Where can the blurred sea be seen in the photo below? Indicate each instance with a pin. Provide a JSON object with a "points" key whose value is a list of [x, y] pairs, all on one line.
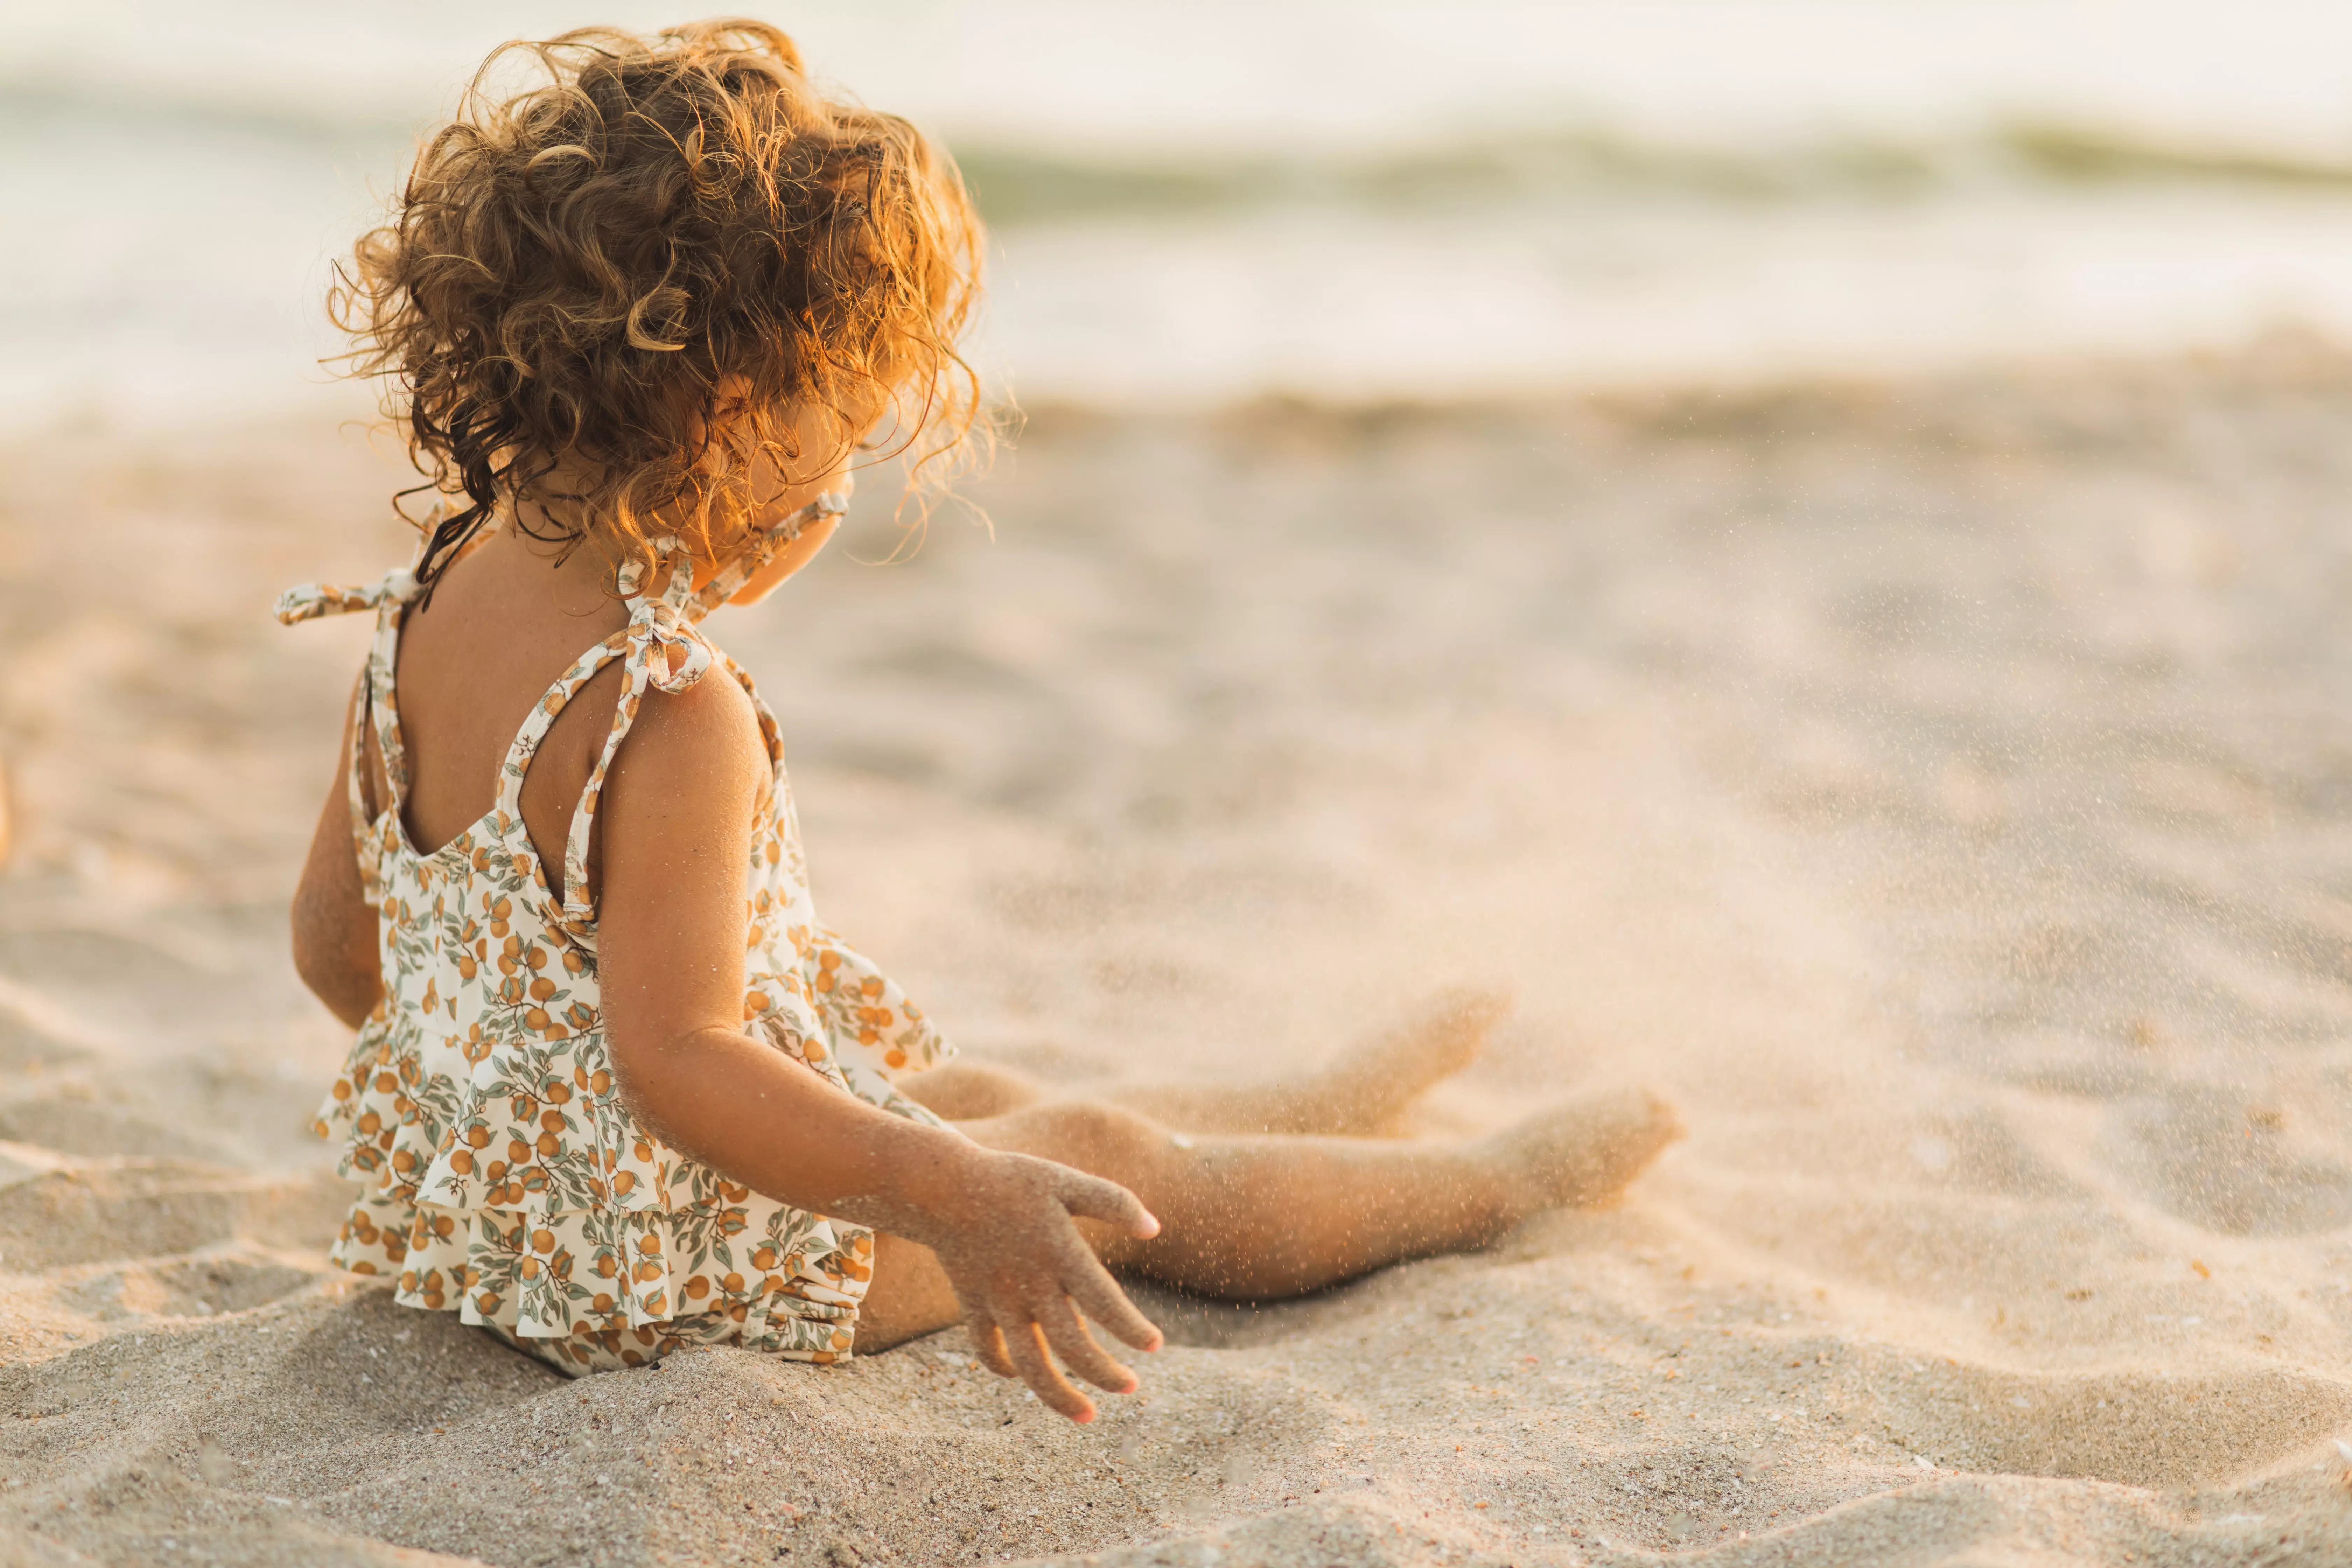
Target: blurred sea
{"points": [[1216, 199]]}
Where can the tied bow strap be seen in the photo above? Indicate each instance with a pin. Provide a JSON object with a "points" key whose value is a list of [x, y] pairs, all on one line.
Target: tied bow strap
{"points": [[309, 601], [663, 624], [661, 629]]}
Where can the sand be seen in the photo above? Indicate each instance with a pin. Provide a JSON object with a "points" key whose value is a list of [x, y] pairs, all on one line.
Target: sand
{"points": [[1944, 791]]}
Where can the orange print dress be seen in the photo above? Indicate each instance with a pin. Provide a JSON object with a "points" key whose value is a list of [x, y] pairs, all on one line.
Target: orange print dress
{"points": [[505, 1180]]}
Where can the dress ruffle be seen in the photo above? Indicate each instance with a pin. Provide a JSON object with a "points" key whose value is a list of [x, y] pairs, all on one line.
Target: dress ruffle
{"points": [[525, 1196]]}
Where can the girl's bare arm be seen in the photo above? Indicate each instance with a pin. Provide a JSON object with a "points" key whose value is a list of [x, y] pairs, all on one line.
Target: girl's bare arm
{"points": [[676, 817], [334, 925]]}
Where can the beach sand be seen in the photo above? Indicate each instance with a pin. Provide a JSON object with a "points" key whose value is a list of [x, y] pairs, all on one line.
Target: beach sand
{"points": [[1943, 790]]}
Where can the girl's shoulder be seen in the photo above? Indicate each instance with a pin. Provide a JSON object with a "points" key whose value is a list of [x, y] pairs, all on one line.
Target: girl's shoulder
{"points": [[712, 732]]}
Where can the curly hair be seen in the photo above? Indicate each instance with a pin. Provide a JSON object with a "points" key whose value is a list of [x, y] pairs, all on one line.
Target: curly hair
{"points": [[646, 271]]}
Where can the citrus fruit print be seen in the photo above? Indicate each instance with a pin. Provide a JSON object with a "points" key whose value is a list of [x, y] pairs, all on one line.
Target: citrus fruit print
{"points": [[507, 1181]]}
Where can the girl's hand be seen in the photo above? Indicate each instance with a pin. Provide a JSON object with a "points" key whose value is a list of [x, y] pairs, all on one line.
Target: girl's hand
{"points": [[1022, 1272]]}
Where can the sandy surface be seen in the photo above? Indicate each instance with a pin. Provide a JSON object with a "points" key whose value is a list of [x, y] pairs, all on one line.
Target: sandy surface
{"points": [[1944, 792]]}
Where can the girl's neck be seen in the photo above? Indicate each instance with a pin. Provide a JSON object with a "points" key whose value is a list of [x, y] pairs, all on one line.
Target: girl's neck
{"points": [[574, 581], [531, 539]]}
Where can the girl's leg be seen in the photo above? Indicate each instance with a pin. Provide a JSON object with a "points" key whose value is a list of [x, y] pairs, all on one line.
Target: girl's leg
{"points": [[969, 1092], [1254, 1218], [1362, 1093], [907, 1297]]}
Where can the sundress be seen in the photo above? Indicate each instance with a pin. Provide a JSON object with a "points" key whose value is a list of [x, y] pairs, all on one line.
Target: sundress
{"points": [[507, 1181]]}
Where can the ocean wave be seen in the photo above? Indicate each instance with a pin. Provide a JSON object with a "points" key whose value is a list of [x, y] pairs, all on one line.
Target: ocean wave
{"points": [[1020, 185], [1024, 182]]}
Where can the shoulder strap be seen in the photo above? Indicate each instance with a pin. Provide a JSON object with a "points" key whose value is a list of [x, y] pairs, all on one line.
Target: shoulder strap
{"points": [[661, 650], [379, 705], [730, 578], [559, 696]]}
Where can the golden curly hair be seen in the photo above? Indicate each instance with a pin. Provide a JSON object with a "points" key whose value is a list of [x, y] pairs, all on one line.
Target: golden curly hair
{"points": [[644, 270]]}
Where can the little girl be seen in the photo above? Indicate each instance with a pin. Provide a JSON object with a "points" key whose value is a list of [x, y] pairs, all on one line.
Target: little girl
{"points": [[616, 1089]]}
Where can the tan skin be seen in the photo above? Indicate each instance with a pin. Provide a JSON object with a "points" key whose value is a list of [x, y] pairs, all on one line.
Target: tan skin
{"points": [[1011, 1219]]}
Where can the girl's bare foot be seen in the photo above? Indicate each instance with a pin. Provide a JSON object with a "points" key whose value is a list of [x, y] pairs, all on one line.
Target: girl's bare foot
{"points": [[1363, 1093], [1371, 1085], [1585, 1152]]}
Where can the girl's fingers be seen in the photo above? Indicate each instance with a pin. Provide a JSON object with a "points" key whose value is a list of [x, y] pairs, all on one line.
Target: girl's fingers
{"points": [[1105, 1201], [987, 1343], [1058, 1320], [1085, 1279], [1036, 1368]]}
